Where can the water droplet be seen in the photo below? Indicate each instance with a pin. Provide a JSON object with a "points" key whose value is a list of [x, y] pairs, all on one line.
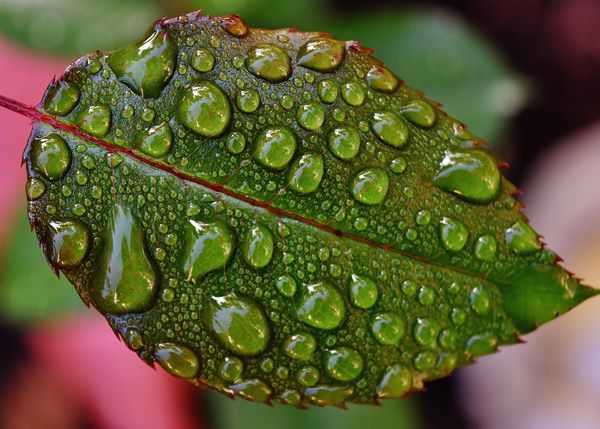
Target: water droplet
{"points": [[308, 376], [370, 186], [34, 189], [425, 360], [472, 174], [353, 93], [238, 323], [328, 395], [50, 156], [300, 346], [134, 339], [453, 233], [420, 113], [269, 62], [398, 165], [95, 120], [147, 65], [205, 110], [390, 129], [209, 245], [286, 285], [63, 98], [320, 305], [94, 66], [446, 362], [328, 91], [343, 364], [252, 390], [306, 172], [290, 397], [426, 295], [257, 246], [480, 300], [381, 79], [248, 100], [235, 143], [521, 238], [148, 114], [482, 344], [485, 248], [202, 60], [363, 291], [344, 142], [423, 217], [69, 242], [388, 328], [235, 26], [426, 332], [125, 280], [177, 360], [396, 382], [321, 54], [448, 339], [310, 116], [231, 369], [157, 141], [275, 147]]}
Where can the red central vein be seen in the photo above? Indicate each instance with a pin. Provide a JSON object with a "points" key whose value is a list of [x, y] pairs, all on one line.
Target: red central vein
{"points": [[36, 115]]}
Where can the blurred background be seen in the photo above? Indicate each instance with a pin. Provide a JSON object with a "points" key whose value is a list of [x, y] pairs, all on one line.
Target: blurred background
{"points": [[523, 74]]}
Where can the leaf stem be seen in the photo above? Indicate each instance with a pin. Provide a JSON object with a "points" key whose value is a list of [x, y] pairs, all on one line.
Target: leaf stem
{"points": [[20, 108]]}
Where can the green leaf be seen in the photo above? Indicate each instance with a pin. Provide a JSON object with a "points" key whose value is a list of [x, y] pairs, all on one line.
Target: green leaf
{"points": [[276, 215]]}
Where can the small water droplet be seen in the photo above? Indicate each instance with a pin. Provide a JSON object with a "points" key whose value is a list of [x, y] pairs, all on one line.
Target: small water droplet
{"points": [[521, 238], [306, 172], [235, 26], [398, 165], [426, 332], [68, 243], [231, 369], [95, 120], [148, 114], [235, 143], [485, 248], [248, 100], [353, 93], [310, 116], [320, 305], [344, 142], [328, 395], [209, 245], [147, 65], [275, 147], [290, 397], [343, 364], [238, 323], [63, 98], [482, 344], [308, 376], [202, 60], [453, 233], [34, 189], [328, 91], [381, 79], [321, 54], [257, 246], [300, 346], [50, 156], [157, 141], [396, 382], [134, 339], [370, 186], [423, 217], [177, 360], [362, 291], [420, 113], [387, 328], [205, 109], [390, 129], [286, 285], [269, 62], [472, 174]]}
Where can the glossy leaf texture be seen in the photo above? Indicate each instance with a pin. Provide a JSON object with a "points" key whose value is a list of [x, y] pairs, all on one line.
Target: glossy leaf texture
{"points": [[278, 216]]}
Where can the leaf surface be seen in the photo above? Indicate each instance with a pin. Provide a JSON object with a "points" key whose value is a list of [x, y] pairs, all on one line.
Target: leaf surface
{"points": [[278, 216]]}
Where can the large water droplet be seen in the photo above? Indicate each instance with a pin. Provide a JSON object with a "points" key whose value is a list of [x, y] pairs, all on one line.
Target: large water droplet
{"points": [[320, 305], [157, 141], [147, 65], [50, 156], [328, 395], [370, 186], [343, 364], [95, 120], [472, 174], [205, 110], [321, 54], [257, 246], [521, 238], [209, 245], [353, 93], [396, 382], [453, 233], [300, 346], [252, 390], [248, 100], [420, 113], [363, 291], [388, 328], [63, 98], [310, 116], [381, 79], [238, 323], [344, 142], [485, 248], [269, 62], [125, 280], [390, 129], [306, 173], [177, 360], [275, 147], [68, 243]]}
